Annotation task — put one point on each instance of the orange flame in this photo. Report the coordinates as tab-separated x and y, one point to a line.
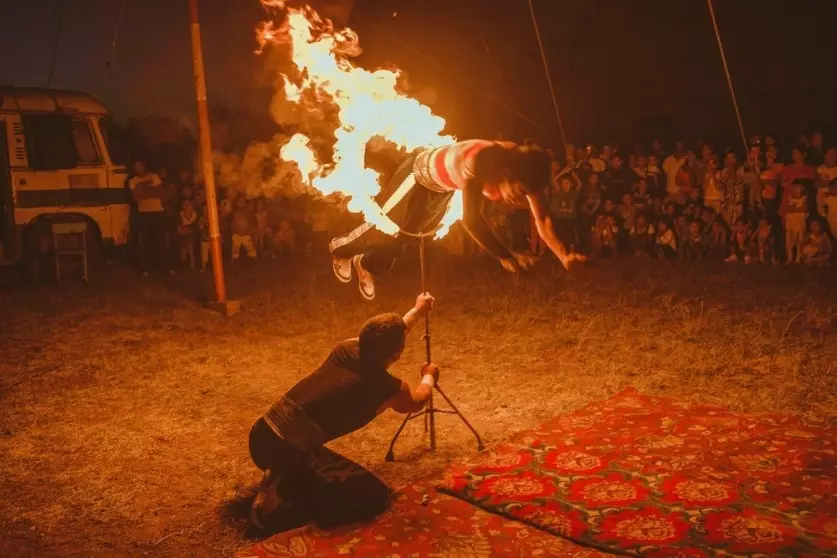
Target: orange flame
369	105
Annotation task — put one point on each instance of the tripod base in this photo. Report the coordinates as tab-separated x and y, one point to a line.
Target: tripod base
430	418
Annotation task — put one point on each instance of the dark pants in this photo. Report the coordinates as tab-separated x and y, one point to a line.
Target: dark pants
419	211
323	486
153	240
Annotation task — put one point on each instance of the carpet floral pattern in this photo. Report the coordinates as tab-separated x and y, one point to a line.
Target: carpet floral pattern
652	476
444	528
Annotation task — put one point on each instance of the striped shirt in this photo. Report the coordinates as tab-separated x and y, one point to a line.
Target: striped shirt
449	168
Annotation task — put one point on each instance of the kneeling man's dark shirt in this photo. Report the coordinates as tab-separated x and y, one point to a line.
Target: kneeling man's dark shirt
341	396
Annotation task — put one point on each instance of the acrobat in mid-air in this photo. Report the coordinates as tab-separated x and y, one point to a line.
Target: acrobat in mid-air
419	192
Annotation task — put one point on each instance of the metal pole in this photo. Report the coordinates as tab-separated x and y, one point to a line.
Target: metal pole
729	77
206	155
431	414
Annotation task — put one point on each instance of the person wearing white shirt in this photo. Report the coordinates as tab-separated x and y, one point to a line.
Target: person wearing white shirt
151	222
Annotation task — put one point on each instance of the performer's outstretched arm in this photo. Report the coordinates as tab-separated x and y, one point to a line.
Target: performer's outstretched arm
473	203
543	222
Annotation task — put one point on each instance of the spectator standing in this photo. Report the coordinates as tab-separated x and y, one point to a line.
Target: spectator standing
799	169
564	208
713	196
243	229
816	153
262	234
151	219
795	212
284	240
186	234
618	179
732	188
671	166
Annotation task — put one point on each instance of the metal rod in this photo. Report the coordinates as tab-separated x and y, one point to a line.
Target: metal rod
548	73
729	77
429	411
206	155
431	415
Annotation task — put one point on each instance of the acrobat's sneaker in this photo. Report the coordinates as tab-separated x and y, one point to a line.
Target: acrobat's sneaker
365	282
342	270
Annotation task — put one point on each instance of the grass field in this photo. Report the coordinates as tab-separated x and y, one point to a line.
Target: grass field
125	406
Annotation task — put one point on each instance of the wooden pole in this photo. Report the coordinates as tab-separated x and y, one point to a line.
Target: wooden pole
220	303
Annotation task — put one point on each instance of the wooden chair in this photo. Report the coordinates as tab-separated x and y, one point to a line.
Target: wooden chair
70	242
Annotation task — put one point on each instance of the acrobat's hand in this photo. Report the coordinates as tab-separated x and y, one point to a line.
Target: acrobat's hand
509	264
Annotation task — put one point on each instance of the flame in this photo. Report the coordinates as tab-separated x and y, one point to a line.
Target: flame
369	105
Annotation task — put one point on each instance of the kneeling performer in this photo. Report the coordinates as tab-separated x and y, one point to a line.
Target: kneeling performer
419	192
344	394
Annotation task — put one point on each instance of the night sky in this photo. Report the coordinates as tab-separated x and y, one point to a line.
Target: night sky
622	69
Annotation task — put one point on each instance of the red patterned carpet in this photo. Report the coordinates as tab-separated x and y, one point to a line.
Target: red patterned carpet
652	476
445	528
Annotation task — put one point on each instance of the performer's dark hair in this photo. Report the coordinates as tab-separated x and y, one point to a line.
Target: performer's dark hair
381	338
531	166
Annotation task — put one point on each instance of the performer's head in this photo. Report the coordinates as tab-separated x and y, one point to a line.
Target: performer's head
382	340
512	173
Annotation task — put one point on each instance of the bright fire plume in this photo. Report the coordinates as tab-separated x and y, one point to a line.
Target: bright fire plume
369	105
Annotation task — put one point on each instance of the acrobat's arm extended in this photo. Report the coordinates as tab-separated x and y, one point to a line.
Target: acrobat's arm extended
546	230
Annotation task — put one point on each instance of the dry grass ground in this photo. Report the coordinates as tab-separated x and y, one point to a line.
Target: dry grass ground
125	407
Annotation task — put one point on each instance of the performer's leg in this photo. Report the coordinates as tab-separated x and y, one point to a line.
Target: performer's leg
287	477
371	252
347	493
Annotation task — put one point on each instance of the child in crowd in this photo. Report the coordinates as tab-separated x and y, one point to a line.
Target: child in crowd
243	228
741	247
717	242
603	238
186	230
564	208
694	204
694	243
765	244
666	242
827	203
642	197
262	236
816	249
627	211
795	213
642	233
653	174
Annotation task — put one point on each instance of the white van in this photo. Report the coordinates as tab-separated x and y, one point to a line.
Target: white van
55	167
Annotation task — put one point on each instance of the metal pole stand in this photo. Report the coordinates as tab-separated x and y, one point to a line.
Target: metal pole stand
430	410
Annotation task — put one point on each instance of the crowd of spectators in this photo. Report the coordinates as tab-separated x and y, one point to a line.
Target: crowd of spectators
767	206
